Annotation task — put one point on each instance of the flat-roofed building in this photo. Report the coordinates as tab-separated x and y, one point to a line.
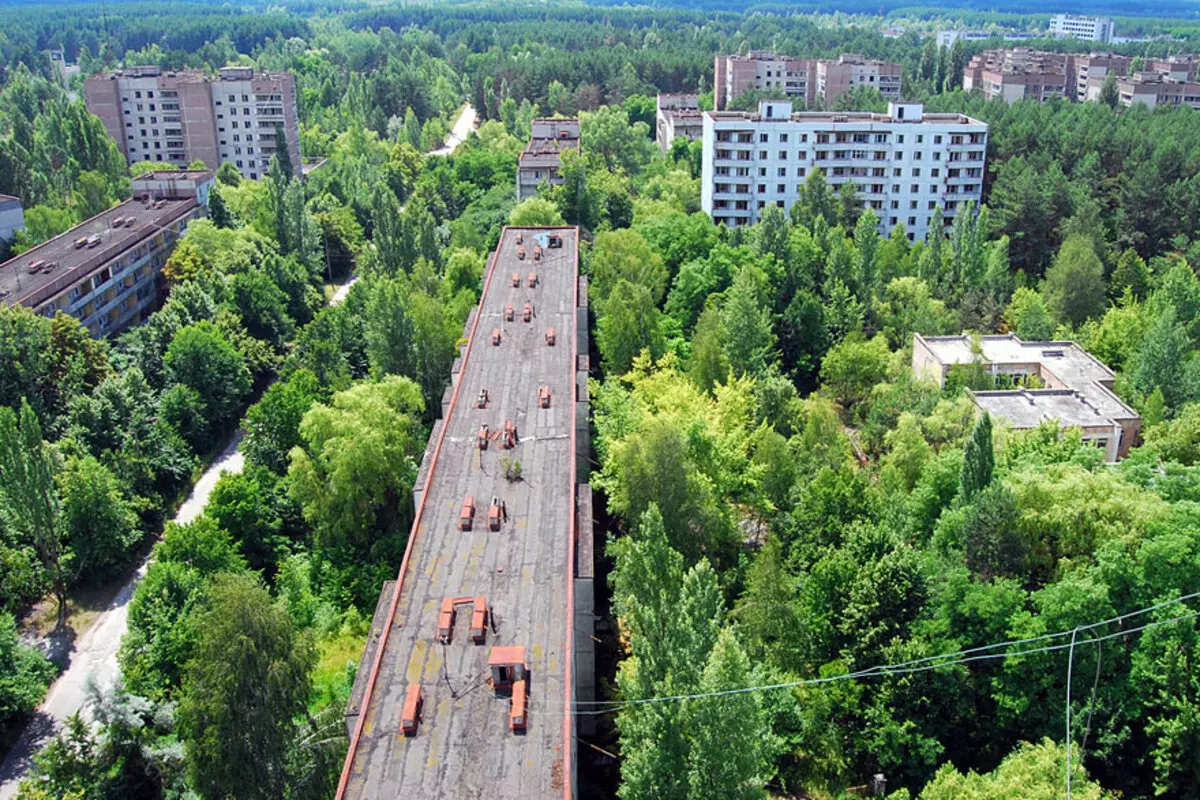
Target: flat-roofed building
180	117
12	216
1093	69
1087	28
677	115
1076	389
105	271
1153	89
810	81
947	38
906	163
541	159
1020	74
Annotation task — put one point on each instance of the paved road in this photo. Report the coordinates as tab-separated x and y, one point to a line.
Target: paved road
93	659
462	128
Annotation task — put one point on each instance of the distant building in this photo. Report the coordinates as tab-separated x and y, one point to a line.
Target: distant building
1089	29
1154	89
12	216
1020	74
807	80
906	163
677	115
542	157
106	271
180	117
1077	389
1092	70
947	39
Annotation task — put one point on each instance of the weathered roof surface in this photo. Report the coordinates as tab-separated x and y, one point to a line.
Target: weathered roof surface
463	747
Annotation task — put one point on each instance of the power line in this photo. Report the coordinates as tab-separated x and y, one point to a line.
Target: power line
909	667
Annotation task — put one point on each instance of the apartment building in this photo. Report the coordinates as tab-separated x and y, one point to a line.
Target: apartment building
1093	69
1075	389
947	38
1089	29
12	216
1154	89
180	117
541	159
810	81
906	163
676	115
106	271
1020	74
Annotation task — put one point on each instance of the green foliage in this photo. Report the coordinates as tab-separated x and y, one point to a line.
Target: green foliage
850	368
24	674
100	524
978	460
201	358
1075	283
1028	316
1031	772
535	212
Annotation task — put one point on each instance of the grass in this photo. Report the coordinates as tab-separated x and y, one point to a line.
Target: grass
84	604
333	675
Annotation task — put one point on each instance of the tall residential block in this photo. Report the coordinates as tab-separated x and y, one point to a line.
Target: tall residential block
1089	29
106	270
906	163
180	117
540	160
807	80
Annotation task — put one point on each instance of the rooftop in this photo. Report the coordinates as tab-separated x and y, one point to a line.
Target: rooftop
67	263
463	747
854	117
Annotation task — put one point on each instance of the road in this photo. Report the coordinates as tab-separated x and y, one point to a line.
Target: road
93	658
467	118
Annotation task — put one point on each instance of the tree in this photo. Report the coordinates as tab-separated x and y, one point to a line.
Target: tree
852	367
978	460
283	151
1030	772
1075	282
202	358
1131	274
228	174
272	424
624	255
608	134
628	328
389	328
1109	95
993	546
851	204
243	692
1161	361
1028	317
100	525
24	674
535	212
710	363
30	504
218	212
262	305
746	323
815	201
241	506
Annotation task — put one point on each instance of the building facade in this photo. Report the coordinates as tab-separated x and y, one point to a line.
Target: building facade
12	216
1154	89
1072	387
180	117
676	115
1089	29
947	38
812	82
906	163
106	271
1020	74
540	160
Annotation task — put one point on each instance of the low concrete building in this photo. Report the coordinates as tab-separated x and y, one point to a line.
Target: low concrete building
12	216
677	115
540	160
1077	389
105	271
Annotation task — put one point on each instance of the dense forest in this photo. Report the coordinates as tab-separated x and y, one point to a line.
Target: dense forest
785	503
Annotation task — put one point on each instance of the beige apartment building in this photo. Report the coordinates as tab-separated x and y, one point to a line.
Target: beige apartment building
541	159
179	117
1020	74
1076	389
677	115
812	81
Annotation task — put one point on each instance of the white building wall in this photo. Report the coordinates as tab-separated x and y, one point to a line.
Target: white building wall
903	169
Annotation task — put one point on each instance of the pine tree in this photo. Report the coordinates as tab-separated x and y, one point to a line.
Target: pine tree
218	211
978	460
282	152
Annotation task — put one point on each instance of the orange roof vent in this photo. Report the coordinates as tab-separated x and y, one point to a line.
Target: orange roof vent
466	517
507	666
550	336
410	717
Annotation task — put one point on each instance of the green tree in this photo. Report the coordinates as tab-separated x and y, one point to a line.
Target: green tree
710	362
1075	282
228	174
283	151
1131	274
30	504
1030	772
100	524
24	674
993	545
262	305
978	460
272	424
1161	361
1109	95
1028	316
243	692
624	256
202	358
628	328
851	368
241	506
535	212
746	323
218	212
389	328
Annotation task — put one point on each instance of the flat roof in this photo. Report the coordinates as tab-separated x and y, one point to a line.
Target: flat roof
175	175
140	222
463	747
844	117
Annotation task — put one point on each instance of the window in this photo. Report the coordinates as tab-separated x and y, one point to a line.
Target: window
762	172
782	172
762	154
937	139
920	139
933	189
762	188
141	121
895	205
916	173
896	188
138	93
896	172
780	188
783	155
933	173
911	222
762	137
783	138
917	156
900	138
912	205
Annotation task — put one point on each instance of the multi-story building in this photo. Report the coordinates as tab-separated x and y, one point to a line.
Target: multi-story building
947	38
905	163
1020	74
1091	71
677	115
180	117
106	271
1154	89
811	81
12	216
540	160
1089	29
1072	387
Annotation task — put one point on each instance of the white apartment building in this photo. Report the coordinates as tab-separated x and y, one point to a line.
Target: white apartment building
1089	29
906	163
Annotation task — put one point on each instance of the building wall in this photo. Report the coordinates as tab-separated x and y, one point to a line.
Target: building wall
12	218
936	162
